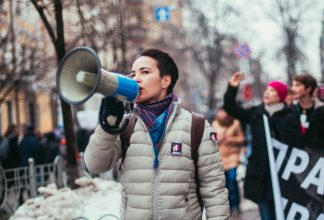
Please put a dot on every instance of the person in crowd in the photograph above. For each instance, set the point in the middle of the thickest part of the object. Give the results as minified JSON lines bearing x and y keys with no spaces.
{"x":320,"y":92}
{"x":82,"y":139}
{"x":158,"y":178}
{"x":30,"y":147}
{"x":12,"y":159}
{"x":257,"y":183}
{"x":308,"y":115}
{"x":231,"y":137}
{"x":289,"y":98}
{"x":51,"y":147}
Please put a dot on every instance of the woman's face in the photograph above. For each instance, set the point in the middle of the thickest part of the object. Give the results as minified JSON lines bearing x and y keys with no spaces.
{"x":270,"y":96}
{"x":152,"y":87}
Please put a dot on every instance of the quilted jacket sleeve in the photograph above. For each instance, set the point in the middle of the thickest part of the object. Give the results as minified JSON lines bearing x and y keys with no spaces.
{"x":212,"y":179}
{"x":103,"y":151}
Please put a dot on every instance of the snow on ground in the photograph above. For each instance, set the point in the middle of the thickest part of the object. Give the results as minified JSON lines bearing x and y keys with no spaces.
{"x":95,"y":199}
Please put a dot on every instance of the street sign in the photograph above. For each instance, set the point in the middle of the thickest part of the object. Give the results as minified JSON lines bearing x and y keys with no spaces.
{"x":162,"y":13}
{"x":242,"y":51}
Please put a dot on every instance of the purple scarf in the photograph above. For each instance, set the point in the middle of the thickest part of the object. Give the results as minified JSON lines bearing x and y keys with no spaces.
{"x":150,"y":111}
{"x":155,"y":116}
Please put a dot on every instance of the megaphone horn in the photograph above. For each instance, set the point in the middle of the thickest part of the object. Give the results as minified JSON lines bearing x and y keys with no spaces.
{"x":80,"y":75}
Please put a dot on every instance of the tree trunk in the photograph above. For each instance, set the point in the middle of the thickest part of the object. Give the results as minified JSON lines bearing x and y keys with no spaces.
{"x":59,"y":45}
{"x":17,"y":106}
{"x":122,"y":38}
{"x":66,"y":108}
{"x":211,"y":92}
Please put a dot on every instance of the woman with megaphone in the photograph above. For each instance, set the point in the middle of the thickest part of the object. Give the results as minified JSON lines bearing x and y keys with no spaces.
{"x":159,"y":173}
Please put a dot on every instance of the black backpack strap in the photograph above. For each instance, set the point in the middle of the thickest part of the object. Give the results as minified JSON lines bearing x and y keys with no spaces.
{"x":125,"y":136}
{"x":197,"y":131}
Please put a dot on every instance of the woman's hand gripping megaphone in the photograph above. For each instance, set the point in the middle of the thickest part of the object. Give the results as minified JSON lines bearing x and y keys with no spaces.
{"x":111,"y":114}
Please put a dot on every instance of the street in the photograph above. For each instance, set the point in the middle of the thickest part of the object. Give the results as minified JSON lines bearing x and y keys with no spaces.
{"x":249,"y":210}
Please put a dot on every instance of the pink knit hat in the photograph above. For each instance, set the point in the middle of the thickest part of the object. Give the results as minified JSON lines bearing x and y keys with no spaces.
{"x":281,"y":88}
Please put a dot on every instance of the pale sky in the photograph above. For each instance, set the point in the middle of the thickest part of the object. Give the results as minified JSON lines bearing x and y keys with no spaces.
{"x":265,"y":38}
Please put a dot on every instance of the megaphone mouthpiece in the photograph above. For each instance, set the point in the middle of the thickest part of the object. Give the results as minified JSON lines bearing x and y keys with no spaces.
{"x":86,"y":78}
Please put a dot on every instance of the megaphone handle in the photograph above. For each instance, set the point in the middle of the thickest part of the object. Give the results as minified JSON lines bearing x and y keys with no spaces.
{"x":117,"y":130}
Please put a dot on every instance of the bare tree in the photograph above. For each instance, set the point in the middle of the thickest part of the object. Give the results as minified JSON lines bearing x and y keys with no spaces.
{"x":290,"y":15}
{"x":257,"y":72}
{"x":103,"y":29}
{"x":207,"y":40}
{"x":172,"y":39}
{"x":56,"y":34}
{"x":99,"y":26}
{"x":8,"y":65}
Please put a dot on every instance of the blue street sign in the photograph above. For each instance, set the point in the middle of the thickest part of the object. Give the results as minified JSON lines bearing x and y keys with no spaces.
{"x":162,"y":13}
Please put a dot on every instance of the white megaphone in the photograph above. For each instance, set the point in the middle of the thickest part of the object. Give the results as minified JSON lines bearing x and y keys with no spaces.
{"x":79,"y":76}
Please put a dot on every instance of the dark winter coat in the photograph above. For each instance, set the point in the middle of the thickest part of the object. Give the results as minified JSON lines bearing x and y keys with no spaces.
{"x":257,"y":185}
{"x":13,"y":157}
{"x":30,"y":148}
{"x":316,"y":121}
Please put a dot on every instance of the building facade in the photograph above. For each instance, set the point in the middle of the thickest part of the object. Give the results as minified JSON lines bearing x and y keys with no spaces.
{"x":24,"y":98}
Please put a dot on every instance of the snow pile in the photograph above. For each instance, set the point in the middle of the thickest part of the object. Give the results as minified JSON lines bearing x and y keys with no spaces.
{"x":95,"y":199}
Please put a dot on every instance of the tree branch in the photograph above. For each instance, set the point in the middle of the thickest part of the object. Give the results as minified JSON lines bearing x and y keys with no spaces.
{"x":46,"y":23}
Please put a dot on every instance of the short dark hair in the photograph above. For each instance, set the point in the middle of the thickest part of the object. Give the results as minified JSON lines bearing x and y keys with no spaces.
{"x":307,"y":80}
{"x":165,"y":64}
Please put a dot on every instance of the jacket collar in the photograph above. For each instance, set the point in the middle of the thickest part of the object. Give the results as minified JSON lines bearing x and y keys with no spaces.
{"x":318,"y":103}
{"x":176,"y":110}
{"x":272,"y":109}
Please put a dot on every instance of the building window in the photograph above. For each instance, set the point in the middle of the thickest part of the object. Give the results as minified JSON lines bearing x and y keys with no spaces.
{"x":10,"y":112}
{"x":54,"y":107}
{"x":32,"y":119}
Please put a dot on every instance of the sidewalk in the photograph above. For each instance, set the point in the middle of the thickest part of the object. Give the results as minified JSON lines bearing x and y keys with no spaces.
{"x":249,"y":211}
{"x":247,"y":215}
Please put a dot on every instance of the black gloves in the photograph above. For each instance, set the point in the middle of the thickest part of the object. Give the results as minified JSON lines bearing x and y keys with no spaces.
{"x":111,"y":114}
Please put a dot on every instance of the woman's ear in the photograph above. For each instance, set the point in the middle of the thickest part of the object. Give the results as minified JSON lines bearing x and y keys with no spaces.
{"x":166,"y":81}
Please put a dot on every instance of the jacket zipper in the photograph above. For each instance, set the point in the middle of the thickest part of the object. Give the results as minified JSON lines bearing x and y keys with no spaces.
{"x":156,"y":171}
{"x":155,"y":180}
{"x":155,"y":196}
{"x":188,"y":207}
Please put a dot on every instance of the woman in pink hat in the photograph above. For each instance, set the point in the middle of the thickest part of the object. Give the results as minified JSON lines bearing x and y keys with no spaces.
{"x":257,"y":184}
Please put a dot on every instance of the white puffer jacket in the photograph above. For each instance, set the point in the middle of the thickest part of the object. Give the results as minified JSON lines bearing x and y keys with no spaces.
{"x":168,"y":193}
